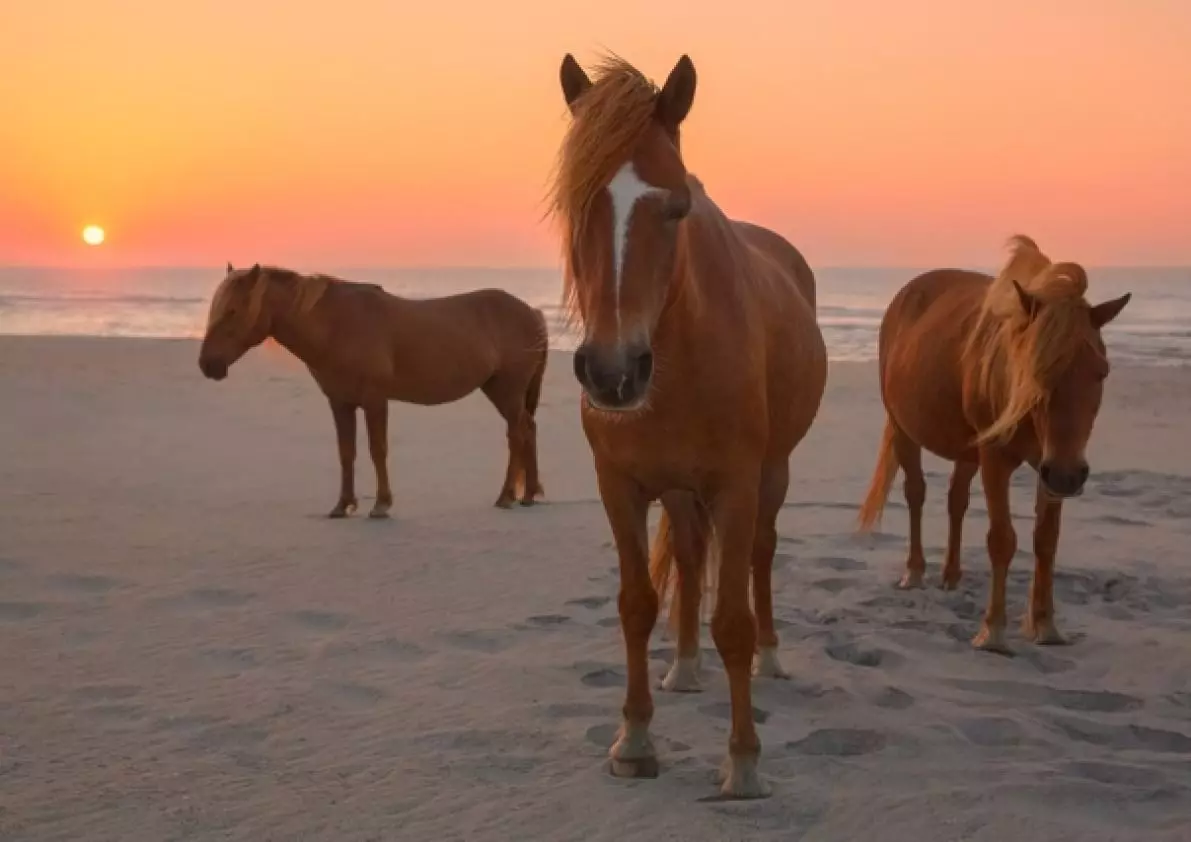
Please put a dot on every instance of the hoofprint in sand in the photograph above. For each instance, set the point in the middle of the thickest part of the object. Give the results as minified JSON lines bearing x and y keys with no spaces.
{"x":193,"y":651}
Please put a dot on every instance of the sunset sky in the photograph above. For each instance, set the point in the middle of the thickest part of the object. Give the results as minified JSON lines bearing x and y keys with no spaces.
{"x":380,"y":132}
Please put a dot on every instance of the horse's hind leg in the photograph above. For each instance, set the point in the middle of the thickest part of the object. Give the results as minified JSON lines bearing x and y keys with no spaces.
{"x":376,"y":416}
{"x":689,"y":534}
{"x":909,"y":456}
{"x":533,"y":484}
{"x":958,"y":495}
{"x":509,"y":403}
{"x":345,"y":435}
{"x":775,"y":479}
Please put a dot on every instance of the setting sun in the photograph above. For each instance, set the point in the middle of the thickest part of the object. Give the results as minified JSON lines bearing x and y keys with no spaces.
{"x":93,"y":235}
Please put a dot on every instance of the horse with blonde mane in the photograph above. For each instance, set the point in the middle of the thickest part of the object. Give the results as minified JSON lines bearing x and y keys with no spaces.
{"x":366,"y":347}
{"x":702,"y":366}
{"x":989,"y":373}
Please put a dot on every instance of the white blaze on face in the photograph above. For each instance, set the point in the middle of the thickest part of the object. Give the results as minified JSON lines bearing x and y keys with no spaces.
{"x":625,"y":189}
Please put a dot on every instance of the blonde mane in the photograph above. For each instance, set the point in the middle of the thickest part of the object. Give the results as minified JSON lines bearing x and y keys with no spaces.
{"x":610,"y":119}
{"x":308,"y":291}
{"x":1017,"y":355}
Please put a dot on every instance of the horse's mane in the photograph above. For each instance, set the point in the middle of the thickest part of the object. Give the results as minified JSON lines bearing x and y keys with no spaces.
{"x":1017,"y":354}
{"x":609,"y":119}
{"x":308,"y":291}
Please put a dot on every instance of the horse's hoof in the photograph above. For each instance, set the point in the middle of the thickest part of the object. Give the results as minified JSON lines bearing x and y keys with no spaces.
{"x":641,"y":767}
{"x":991,"y":639}
{"x":342,"y":510}
{"x":910,"y":580}
{"x":766,"y":664}
{"x":741,"y":779}
{"x":633,"y":754}
{"x":504,"y":502}
{"x":528,"y":501}
{"x":683,"y":676}
{"x":950,"y":579}
{"x":1044,"y":633}
{"x":379,"y":513}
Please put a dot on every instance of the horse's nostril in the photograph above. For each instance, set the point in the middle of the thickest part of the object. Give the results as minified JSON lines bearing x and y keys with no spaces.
{"x":580,"y":361}
{"x":643,"y":366}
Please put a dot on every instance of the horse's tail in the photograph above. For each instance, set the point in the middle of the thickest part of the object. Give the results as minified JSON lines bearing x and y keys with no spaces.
{"x":882,"y":481}
{"x":661,"y":565}
{"x":534,"y":393}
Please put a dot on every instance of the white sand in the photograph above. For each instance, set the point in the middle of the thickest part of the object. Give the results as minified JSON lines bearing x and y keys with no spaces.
{"x":189,"y":650}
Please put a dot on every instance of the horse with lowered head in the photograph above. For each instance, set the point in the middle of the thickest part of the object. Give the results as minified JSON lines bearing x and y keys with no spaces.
{"x":989,"y":373}
{"x":702,"y":366}
{"x":365,"y":347}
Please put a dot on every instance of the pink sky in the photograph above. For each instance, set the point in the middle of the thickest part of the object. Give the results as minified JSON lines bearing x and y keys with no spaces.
{"x":369,"y":132}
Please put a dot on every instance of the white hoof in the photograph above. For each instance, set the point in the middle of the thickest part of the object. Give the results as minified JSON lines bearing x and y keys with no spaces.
{"x":633,"y":754}
{"x":683,"y":676}
{"x":741,"y":779}
{"x":766,"y":664}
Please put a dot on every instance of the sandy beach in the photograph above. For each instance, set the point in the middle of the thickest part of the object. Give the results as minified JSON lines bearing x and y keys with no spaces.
{"x":189,"y":650}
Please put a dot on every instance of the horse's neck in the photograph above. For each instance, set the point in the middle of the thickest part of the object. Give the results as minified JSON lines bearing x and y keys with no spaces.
{"x":295,"y":331}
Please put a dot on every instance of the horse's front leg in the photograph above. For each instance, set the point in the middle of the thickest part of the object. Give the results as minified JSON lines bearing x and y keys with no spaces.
{"x":734,"y":631}
{"x":376,"y":416}
{"x":995,"y":472}
{"x":345,"y":434}
{"x":633,"y":754}
{"x":1039,"y":625}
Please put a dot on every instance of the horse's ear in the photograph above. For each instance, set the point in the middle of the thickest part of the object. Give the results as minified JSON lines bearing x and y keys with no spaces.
{"x":1028,"y":302}
{"x":1106,"y":311}
{"x":254,"y":271}
{"x":230,"y":269}
{"x":677,"y":95}
{"x":574,"y":81}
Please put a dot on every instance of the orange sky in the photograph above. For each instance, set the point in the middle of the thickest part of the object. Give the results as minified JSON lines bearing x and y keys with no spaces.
{"x":370,"y":132}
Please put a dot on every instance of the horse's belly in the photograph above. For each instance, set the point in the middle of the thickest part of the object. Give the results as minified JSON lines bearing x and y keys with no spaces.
{"x":923,"y":396}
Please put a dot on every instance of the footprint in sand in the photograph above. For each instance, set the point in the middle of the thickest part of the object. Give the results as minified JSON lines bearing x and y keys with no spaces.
{"x":354,"y":693}
{"x":1084,"y":701}
{"x":861,"y":656}
{"x":387,"y":647}
{"x":840,"y":564}
{"x":18,"y":611}
{"x":545,"y":621}
{"x":992,"y":732}
{"x":833,"y":585}
{"x":893,"y":699}
{"x":105,"y":692}
{"x":600,"y":675}
{"x":321,"y":621}
{"x":1122,"y":737}
{"x":590,"y":602}
{"x":839,"y":742}
{"x":85,"y":583}
{"x":7,"y":565}
{"x":477,"y":640}
{"x":218,"y":597}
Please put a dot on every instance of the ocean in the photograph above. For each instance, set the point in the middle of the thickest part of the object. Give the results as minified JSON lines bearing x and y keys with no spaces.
{"x":1155,"y":329}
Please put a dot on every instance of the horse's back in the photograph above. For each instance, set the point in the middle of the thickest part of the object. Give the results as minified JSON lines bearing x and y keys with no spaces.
{"x":920,"y":349}
{"x":776,"y":247}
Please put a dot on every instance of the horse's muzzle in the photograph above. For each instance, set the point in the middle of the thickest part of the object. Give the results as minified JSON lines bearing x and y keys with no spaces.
{"x":1065,"y":481}
{"x":212,"y":369}
{"x":616,"y":379}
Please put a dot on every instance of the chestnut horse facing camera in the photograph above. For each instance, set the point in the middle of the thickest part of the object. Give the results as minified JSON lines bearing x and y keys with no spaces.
{"x":702,"y":366}
{"x":989,"y":373}
{"x":366,"y":347}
